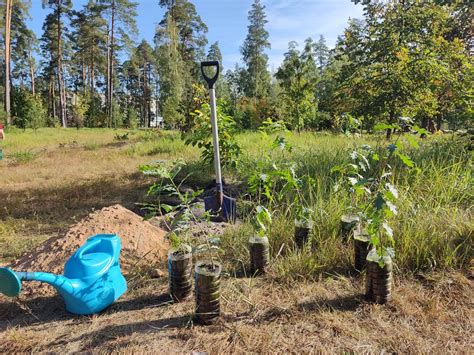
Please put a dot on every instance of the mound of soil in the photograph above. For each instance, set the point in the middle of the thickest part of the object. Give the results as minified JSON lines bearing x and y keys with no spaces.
{"x":141,"y":243}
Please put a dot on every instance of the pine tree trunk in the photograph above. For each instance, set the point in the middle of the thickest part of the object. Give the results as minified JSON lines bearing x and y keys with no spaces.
{"x":149,"y":96}
{"x":388,"y":136}
{"x":84,"y":75}
{"x":111,"y":71}
{"x":107,"y":77}
{"x":62,"y":91}
{"x":50,"y":100}
{"x":8,"y":18}
{"x":32,"y":72}
{"x":145,"y":93}
{"x":439,"y":122}
{"x":53,"y":102}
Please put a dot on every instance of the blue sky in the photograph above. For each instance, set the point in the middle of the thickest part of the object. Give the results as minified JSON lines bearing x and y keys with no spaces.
{"x":288,"y":20}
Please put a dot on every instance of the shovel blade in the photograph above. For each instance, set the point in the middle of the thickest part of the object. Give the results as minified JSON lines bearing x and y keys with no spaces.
{"x":227,"y":212}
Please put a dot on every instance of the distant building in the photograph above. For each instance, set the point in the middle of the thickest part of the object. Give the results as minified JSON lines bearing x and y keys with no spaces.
{"x":157,"y":122}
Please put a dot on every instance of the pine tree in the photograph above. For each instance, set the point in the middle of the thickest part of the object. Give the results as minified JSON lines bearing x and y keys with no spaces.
{"x":257,"y":82}
{"x":60,"y":8}
{"x":321,"y":52}
{"x":181,"y":38}
{"x":214,"y":53}
{"x":222,"y":89}
{"x":145,"y":60}
{"x":8,"y":18}
{"x":171,"y":71}
{"x":89,"y":45}
{"x":123,"y":15}
{"x":24,"y":45}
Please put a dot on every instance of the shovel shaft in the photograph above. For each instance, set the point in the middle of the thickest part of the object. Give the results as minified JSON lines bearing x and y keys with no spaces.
{"x":215,"y":140}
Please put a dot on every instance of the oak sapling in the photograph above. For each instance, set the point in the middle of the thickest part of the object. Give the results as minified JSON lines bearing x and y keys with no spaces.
{"x":207,"y":278}
{"x":370,"y":176}
{"x":303,"y":225}
{"x":180,"y":262}
{"x":258,"y":243}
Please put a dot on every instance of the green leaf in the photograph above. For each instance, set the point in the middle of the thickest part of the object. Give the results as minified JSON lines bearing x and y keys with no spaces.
{"x":391,"y":148}
{"x":406,"y":160}
{"x":373,"y":256}
{"x":166,"y":207}
{"x":419,"y":130}
{"x":379,"y":202}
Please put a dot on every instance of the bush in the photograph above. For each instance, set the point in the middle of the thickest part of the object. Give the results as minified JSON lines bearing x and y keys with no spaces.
{"x":117,"y":115}
{"x":79,"y":109}
{"x":131,"y":118}
{"x":201,"y":136}
{"x":28,"y":110}
{"x":3,"y":116}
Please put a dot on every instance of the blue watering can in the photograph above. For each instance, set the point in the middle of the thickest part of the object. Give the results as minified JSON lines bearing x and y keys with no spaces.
{"x":92,"y":279}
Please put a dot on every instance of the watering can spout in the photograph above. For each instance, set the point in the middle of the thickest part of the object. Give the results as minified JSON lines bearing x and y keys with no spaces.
{"x":59,"y":282}
{"x":11,"y":285}
{"x":62,"y":284}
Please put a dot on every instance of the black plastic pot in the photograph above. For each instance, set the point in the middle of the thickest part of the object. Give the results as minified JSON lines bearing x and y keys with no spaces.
{"x":180,"y":263}
{"x":259,"y":255}
{"x":349,"y":223}
{"x":302,"y":231}
{"x":378,"y":286}
{"x":207,"y":278}
{"x":361,"y":249}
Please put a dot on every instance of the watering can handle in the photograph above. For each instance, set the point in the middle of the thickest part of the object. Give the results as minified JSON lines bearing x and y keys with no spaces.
{"x":87,"y":247}
{"x":210,"y":81}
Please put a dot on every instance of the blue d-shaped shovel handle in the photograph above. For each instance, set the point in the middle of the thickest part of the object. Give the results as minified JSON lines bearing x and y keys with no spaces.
{"x":10,"y":283}
{"x":210,"y":81}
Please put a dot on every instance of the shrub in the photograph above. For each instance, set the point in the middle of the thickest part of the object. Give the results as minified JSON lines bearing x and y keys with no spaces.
{"x":201,"y":136}
{"x":131,"y":118}
{"x":28,"y":110}
{"x":79,"y":108}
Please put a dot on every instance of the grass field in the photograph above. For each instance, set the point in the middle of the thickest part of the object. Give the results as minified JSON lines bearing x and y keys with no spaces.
{"x":308,"y":301}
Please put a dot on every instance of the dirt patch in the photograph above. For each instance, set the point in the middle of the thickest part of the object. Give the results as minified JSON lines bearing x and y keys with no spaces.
{"x":141,"y":242}
{"x":199,"y":228}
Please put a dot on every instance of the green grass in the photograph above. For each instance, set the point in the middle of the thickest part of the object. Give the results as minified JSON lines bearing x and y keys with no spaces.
{"x":433,"y":230}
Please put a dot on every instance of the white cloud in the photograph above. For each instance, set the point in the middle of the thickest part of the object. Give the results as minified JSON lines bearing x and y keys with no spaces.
{"x":295,"y":20}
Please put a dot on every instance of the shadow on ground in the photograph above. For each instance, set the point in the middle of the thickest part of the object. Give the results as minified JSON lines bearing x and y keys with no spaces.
{"x":39,"y":310}
{"x":43,"y":310}
{"x":123,"y":331}
{"x":56,"y":207}
{"x":347,"y":303}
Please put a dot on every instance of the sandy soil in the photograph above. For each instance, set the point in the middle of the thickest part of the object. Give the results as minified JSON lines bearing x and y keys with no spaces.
{"x":142,"y":243}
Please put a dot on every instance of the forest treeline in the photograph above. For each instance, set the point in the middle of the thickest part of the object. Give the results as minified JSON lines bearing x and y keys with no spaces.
{"x":404,"y":58}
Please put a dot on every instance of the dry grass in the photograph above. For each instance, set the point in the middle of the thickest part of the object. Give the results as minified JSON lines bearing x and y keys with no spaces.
{"x":66,"y":179}
{"x":430,"y":315}
{"x":54,"y":178}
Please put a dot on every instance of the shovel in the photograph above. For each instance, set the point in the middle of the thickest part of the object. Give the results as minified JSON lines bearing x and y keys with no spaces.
{"x":221,"y":206}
